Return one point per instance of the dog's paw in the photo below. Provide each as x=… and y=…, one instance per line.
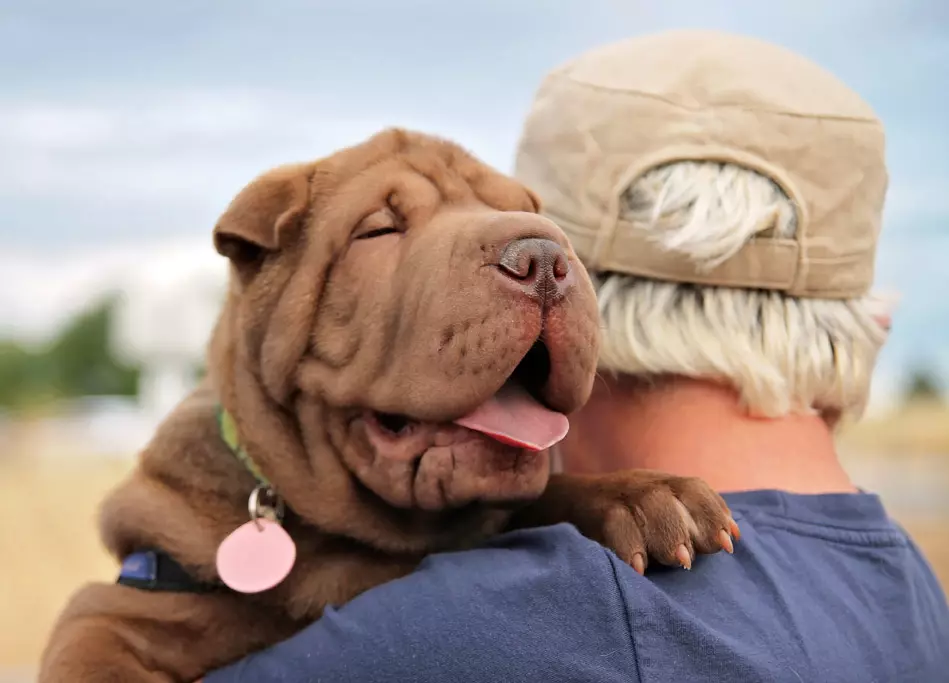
x=648, y=516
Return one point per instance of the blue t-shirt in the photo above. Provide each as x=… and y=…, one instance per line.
x=820, y=588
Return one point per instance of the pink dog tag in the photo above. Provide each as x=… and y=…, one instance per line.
x=256, y=558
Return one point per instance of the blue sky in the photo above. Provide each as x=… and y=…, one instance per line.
x=126, y=123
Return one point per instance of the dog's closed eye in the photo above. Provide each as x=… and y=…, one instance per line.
x=378, y=224
x=377, y=232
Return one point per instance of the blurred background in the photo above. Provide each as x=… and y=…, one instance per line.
x=125, y=128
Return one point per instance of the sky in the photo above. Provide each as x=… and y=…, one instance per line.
x=125, y=128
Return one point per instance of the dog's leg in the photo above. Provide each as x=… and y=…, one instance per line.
x=639, y=514
x=116, y=634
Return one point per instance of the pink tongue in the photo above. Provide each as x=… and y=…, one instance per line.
x=512, y=416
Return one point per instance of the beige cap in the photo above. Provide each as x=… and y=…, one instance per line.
x=604, y=119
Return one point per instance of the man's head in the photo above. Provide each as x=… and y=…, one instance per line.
x=726, y=194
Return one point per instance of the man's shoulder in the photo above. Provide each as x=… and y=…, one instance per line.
x=549, y=594
x=556, y=554
x=529, y=602
x=819, y=588
x=817, y=585
x=796, y=601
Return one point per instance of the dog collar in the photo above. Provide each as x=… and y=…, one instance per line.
x=154, y=570
x=228, y=428
x=264, y=500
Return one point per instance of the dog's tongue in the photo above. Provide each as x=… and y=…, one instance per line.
x=514, y=417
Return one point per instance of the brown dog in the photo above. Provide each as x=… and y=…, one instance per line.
x=378, y=297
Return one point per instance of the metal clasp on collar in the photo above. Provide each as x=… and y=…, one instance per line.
x=265, y=503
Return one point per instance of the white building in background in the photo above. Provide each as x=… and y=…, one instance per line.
x=163, y=320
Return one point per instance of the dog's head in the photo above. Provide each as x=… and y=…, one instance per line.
x=384, y=294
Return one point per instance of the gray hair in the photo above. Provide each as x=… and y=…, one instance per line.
x=782, y=354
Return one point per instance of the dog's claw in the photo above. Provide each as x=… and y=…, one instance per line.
x=734, y=530
x=726, y=542
x=684, y=557
x=639, y=563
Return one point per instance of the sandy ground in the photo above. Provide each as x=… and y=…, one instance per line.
x=49, y=546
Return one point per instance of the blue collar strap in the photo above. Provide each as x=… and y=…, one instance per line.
x=153, y=570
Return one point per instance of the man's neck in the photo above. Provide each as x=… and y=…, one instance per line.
x=698, y=429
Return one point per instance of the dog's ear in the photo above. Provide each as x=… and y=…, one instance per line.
x=259, y=218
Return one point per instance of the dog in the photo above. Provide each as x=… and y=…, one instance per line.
x=402, y=338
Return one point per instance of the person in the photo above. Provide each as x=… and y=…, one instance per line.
x=726, y=195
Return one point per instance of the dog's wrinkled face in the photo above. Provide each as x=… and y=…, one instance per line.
x=388, y=292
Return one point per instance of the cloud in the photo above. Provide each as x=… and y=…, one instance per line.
x=180, y=146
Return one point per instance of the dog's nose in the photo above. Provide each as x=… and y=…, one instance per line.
x=537, y=266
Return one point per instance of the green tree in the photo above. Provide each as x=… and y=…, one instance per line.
x=78, y=363
x=922, y=385
x=82, y=359
x=24, y=378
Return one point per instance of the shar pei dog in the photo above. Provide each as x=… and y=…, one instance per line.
x=402, y=340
